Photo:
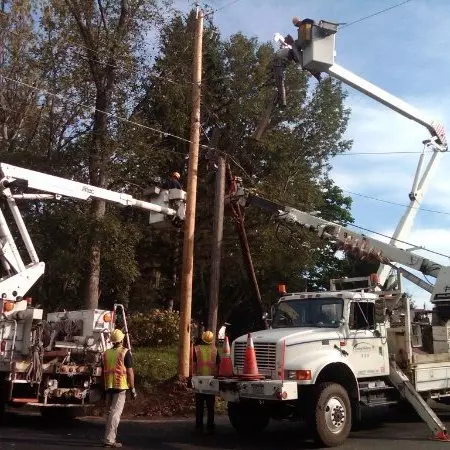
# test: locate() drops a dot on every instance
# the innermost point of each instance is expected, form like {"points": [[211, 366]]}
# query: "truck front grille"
{"points": [[266, 355]]}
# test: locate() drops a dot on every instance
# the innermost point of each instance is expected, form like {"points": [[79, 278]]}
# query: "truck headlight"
{"points": [[86, 384]]}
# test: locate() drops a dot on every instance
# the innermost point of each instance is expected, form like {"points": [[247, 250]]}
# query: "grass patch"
{"points": [[159, 392], [154, 365]]}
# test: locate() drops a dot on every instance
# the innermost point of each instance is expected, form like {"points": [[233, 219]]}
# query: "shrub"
{"points": [[157, 327]]}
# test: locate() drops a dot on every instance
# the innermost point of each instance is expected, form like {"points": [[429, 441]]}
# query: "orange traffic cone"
{"points": [[226, 366], [250, 365]]}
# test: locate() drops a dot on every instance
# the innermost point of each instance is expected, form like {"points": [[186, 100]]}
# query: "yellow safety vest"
{"points": [[206, 359], [114, 368]]}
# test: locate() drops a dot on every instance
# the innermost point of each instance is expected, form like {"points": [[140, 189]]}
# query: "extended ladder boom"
{"points": [[18, 277], [356, 243], [74, 189], [314, 50]]}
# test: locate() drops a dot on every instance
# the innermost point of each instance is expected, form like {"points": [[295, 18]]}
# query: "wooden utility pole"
{"points": [[191, 201], [216, 254]]}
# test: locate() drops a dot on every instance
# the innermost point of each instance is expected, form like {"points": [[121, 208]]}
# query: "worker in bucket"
{"points": [[206, 362], [174, 181], [118, 378]]}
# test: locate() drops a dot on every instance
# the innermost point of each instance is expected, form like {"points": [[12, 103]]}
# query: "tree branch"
{"points": [[103, 16], [88, 40]]}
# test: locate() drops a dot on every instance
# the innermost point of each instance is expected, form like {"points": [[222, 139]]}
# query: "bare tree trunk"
{"points": [[97, 175], [103, 76]]}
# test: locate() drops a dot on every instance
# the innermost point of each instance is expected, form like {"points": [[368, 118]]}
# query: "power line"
{"points": [[399, 240], [345, 25], [130, 122], [382, 153], [222, 7], [107, 64], [122, 119], [92, 108], [397, 204], [383, 235]]}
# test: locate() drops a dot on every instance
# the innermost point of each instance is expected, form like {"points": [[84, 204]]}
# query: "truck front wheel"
{"points": [[332, 414], [248, 417]]}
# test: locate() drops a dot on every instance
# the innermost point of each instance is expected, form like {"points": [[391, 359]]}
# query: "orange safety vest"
{"points": [[206, 359], [114, 368]]}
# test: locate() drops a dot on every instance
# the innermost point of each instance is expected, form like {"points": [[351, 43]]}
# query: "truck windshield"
{"points": [[308, 312]]}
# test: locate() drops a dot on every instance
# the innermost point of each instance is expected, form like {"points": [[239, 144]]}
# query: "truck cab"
{"points": [[323, 356], [310, 331]]}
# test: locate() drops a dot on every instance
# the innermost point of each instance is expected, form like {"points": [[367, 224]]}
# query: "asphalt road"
{"points": [[383, 430]]}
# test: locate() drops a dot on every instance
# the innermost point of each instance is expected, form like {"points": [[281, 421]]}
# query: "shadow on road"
{"points": [[380, 428]]}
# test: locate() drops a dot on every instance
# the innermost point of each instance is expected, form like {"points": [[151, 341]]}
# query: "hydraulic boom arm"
{"points": [[314, 50], [356, 243], [18, 277]]}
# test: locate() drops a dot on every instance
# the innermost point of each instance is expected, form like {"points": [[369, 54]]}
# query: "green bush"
{"points": [[154, 365], [157, 327]]}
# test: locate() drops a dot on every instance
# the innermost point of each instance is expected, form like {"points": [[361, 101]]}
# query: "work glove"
{"points": [[133, 393]]}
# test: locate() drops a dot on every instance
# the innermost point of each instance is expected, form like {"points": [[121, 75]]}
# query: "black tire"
{"points": [[332, 414], [248, 418]]}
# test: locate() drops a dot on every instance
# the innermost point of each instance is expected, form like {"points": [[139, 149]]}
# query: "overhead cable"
{"points": [[384, 235], [220, 8], [383, 153], [361, 19], [418, 247], [395, 203]]}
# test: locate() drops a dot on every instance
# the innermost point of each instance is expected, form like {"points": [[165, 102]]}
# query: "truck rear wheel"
{"points": [[332, 414], [248, 417]]}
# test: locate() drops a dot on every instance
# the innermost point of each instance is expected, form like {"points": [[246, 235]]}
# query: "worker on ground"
{"points": [[118, 378], [174, 181], [206, 362]]}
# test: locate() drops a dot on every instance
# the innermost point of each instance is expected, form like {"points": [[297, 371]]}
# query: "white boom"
{"points": [[314, 50], [358, 244], [18, 277]]}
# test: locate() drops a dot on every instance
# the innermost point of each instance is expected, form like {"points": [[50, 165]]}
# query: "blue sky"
{"points": [[405, 51]]}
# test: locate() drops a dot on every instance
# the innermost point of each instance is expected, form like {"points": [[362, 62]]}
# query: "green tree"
{"points": [[109, 29], [289, 165], [62, 78], [19, 114]]}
